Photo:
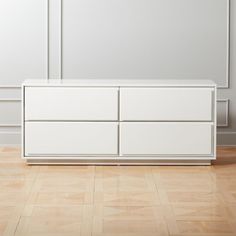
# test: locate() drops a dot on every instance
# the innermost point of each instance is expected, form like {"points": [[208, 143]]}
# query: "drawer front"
{"points": [[166, 104], [71, 138], [166, 138], [44, 103]]}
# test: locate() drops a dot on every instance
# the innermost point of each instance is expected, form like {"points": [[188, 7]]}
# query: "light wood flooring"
{"points": [[117, 200]]}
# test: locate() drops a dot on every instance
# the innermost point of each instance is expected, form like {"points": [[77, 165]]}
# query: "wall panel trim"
{"points": [[10, 86], [47, 51], [227, 82], [226, 101], [10, 100]]}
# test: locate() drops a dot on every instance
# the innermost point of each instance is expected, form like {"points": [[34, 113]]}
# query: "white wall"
{"points": [[110, 38], [23, 55]]}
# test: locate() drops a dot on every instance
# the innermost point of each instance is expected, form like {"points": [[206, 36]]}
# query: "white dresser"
{"points": [[124, 121]]}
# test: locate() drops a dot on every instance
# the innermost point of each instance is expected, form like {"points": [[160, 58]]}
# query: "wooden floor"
{"points": [[117, 200]]}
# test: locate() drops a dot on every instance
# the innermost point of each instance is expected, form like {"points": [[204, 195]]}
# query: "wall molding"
{"points": [[49, 12], [10, 100], [47, 39], [60, 39], [226, 101], [54, 39], [226, 84], [10, 86], [227, 81], [2, 86]]}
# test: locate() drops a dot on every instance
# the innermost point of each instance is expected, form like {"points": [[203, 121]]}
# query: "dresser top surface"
{"points": [[118, 82]]}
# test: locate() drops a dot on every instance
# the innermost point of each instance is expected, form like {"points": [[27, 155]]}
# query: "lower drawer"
{"points": [[71, 138], [166, 138]]}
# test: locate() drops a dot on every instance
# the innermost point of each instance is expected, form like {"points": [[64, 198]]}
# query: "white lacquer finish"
{"points": [[119, 83], [119, 121], [166, 104], [71, 103], [70, 138], [166, 138]]}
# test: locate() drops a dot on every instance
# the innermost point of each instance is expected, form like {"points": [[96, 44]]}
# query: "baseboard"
{"points": [[10, 139], [226, 139]]}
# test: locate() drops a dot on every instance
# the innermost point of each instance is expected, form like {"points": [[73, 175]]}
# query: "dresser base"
{"points": [[118, 162]]}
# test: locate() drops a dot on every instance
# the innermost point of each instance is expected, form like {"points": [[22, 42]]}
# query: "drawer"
{"points": [[166, 138], [71, 103], [71, 138], [166, 104]]}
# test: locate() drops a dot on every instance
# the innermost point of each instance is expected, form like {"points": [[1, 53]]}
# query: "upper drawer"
{"points": [[166, 104], [71, 103]]}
